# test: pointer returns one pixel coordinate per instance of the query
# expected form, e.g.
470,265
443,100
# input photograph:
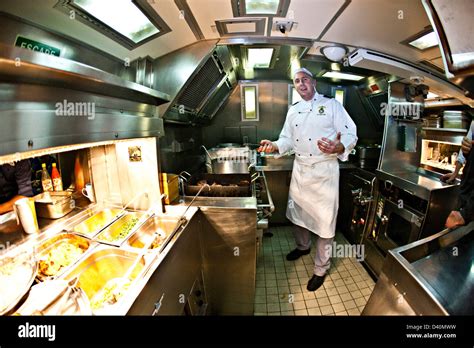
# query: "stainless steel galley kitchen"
132,179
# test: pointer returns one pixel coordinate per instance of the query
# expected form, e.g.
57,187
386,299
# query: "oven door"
397,226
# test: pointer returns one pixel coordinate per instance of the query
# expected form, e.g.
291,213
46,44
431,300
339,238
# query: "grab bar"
269,196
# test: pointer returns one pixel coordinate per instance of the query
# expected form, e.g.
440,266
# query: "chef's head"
304,83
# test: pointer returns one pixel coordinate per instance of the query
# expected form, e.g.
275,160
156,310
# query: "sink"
164,226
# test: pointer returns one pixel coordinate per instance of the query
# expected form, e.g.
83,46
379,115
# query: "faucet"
163,209
208,162
207,152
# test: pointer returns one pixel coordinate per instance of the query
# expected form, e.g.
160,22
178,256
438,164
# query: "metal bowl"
17,273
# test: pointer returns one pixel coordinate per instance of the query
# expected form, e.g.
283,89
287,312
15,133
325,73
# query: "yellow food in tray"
61,256
96,222
111,293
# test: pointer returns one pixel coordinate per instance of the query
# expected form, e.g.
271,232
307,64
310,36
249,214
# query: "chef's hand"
267,146
328,146
454,219
466,145
448,178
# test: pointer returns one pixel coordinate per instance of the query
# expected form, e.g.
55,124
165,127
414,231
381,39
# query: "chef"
319,131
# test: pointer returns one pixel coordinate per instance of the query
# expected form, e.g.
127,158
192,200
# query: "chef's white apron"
314,195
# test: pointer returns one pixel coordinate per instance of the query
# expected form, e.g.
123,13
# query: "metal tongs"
62,297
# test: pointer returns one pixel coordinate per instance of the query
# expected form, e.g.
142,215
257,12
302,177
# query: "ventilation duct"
371,60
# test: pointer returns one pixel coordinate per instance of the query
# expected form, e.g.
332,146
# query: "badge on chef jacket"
321,110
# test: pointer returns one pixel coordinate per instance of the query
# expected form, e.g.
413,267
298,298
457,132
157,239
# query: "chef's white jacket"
314,190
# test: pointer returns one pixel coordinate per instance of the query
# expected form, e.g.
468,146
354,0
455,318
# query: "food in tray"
60,256
16,276
157,241
96,222
110,294
119,230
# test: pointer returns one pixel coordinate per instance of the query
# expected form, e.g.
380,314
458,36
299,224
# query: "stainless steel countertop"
418,183
218,202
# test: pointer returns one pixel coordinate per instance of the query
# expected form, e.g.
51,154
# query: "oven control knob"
384,219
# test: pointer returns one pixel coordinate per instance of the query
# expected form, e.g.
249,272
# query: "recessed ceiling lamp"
334,53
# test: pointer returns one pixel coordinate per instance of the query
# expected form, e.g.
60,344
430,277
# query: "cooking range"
404,213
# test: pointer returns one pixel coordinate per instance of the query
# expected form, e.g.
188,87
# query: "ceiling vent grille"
200,85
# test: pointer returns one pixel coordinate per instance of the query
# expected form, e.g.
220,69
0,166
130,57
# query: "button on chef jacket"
314,190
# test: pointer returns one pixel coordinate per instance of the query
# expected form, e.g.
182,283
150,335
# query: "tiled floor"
281,284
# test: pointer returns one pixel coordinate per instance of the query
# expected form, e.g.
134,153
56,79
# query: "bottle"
46,181
57,181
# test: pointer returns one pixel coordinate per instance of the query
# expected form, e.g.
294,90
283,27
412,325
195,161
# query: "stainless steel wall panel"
229,259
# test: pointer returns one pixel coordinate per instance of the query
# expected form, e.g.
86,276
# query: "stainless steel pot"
229,166
230,160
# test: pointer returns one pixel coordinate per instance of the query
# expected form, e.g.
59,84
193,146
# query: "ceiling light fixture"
334,53
342,76
426,41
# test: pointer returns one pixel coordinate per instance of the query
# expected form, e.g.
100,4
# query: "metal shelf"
24,66
451,130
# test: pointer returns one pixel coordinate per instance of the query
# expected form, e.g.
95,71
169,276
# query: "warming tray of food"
97,221
58,253
53,205
17,273
102,276
162,226
117,232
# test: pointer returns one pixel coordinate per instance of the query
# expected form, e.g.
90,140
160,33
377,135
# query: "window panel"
249,100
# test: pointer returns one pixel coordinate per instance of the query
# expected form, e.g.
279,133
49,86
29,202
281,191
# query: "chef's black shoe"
296,254
315,282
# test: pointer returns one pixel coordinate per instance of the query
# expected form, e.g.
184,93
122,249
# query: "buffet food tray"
97,221
121,229
161,229
60,252
102,275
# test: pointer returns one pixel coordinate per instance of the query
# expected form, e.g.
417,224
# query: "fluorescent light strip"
259,57
122,16
342,76
426,41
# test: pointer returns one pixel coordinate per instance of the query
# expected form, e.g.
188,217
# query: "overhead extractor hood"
202,84
372,60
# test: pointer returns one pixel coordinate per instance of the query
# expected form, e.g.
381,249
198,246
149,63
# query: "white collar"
308,105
